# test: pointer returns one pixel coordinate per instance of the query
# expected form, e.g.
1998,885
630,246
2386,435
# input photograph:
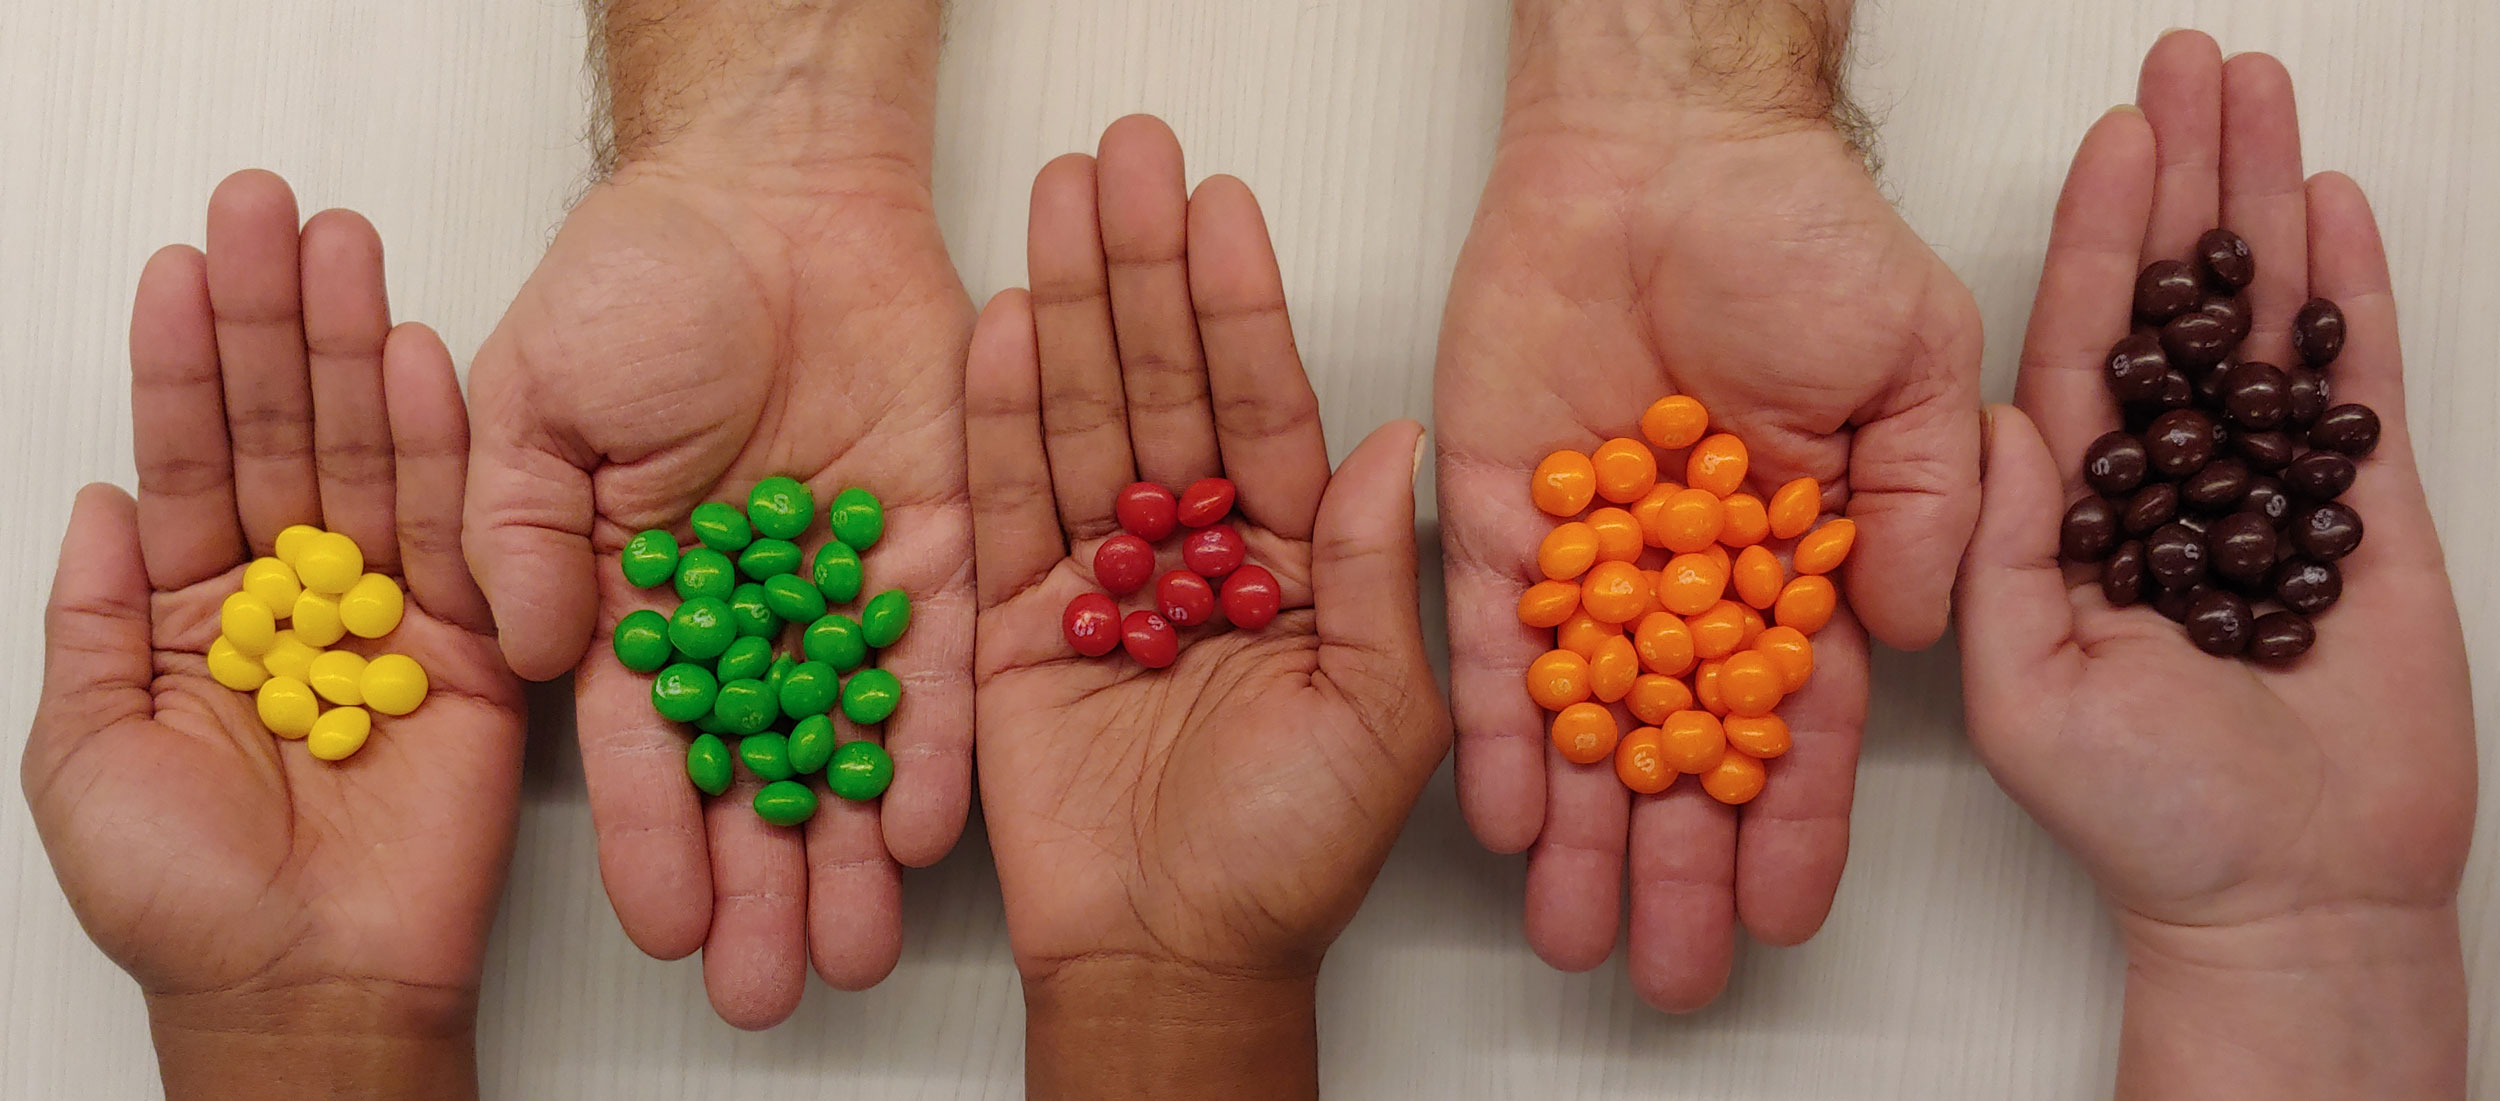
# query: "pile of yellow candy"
317,585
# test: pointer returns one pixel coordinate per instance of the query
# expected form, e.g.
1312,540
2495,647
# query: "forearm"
343,1040
1128,1029
2358,1004
1770,62
739,83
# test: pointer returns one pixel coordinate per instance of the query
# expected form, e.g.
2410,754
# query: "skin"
1673,209
1178,848
2285,875
759,288
300,928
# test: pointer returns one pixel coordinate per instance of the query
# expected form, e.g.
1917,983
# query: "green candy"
781,507
705,572
837,572
810,689
707,723
837,641
782,664
856,517
793,599
746,659
701,628
860,771
769,558
751,614
649,558
746,707
871,695
811,745
785,803
767,756
707,764
683,692
642,641
885,618
721,527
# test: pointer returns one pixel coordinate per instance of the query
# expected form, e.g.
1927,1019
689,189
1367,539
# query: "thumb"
2016,621
1363,566
98,658
526,523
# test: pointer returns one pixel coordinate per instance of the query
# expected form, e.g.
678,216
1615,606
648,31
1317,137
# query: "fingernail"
1987,437
1421,438
2126,109
2168,33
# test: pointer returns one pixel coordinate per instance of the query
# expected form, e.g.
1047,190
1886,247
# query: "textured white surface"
1966,957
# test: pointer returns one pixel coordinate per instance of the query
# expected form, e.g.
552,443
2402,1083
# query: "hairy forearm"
1763,64
2367,1003
735,83
335,1040
1134,1029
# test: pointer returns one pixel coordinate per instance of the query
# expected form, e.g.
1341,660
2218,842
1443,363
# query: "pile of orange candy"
1683,646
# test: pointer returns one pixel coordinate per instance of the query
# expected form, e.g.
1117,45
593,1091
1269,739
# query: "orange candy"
1806,604
1664,643
1718,556
1690,584
1735,780
1582,633
1706,687
1718,630
1615,592
1645,510
1653,606
1563,484
1688,522
1618,535
1675,421
1758,576
1585,733
1558,679
1717,464
1640,762
1759,736
1614,668
1794,507
1823,549
1626,469
1744,523
1654,697
1692,741
1788,649
1749,684
1753,627
1548,603
1568,551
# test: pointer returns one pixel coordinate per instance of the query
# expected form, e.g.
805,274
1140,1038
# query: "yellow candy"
234,668
339,733
274,583
287,707
394,684
338,676
316,618
331,562
248,622
293,540
372,608
289,657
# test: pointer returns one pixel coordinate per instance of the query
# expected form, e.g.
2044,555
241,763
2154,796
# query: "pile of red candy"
1212,553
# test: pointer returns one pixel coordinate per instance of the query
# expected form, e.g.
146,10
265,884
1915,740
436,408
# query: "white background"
1966,957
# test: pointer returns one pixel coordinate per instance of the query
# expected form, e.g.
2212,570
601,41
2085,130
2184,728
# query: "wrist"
331,1039
2344,1001
1661,70
1131,1027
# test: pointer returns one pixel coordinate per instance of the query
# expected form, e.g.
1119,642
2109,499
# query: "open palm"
1765,276
684,338
1228,811
205,855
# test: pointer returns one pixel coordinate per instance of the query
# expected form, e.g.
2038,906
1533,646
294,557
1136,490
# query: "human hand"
732,304
293,923
1648,231
1178,848
2282,862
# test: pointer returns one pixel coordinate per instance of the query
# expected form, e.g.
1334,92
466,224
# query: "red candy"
1150,639
1213,552
1123,564
1206,501
1147,511
1185,598
1251,597
1092,623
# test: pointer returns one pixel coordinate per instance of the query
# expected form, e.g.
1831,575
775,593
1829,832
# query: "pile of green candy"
715,660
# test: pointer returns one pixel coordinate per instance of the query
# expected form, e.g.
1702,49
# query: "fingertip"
252,191
340,234
1139,135
1683,987
1067,179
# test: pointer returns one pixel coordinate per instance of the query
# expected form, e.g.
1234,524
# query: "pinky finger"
430,443
1793,841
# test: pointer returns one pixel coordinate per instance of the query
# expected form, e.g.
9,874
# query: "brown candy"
2136,367
2318,332
2307,587
2196,341
2327,531
2175,555
2090,531
2150,507
2254,395
2180,442
2241,547
2267,451
2114,464
2165,289
2278,637
2319,475
2122,577
2225,260
2350,428
2306,395
2218,487
2267,497
2220,623
2234,316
